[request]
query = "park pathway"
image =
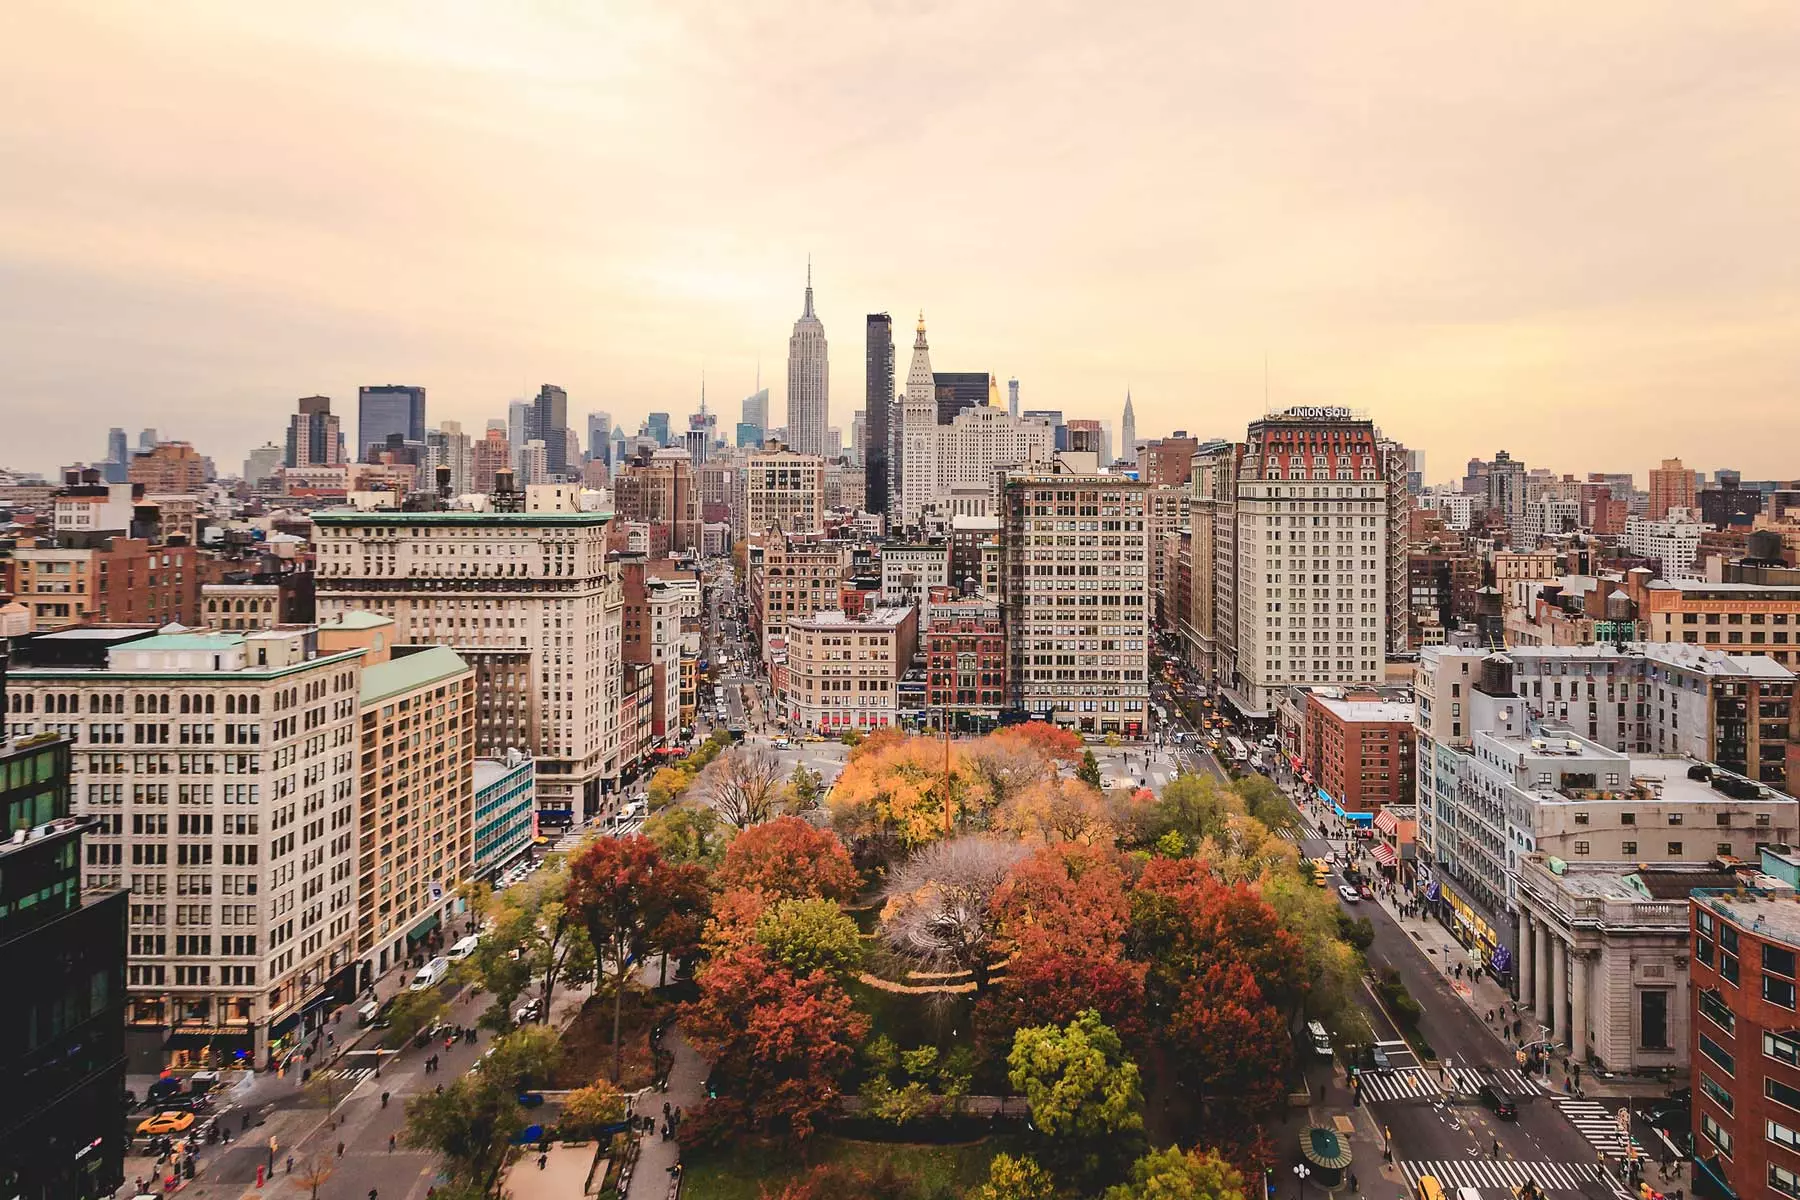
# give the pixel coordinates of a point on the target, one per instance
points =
(654, 1176)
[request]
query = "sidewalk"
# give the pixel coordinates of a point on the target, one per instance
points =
(654, 1176)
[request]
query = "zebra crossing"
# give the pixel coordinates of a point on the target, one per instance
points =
(1599, 1125)
(345, 1074)
(1504, 1173)
(1427, 1083)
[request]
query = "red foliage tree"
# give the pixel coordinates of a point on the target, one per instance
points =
(1052, 987)
(789, 859)
(777, 1044)
(1048, 739)
(634, 904)
(1066, 897)
(1230, 1043)
(1184, 921)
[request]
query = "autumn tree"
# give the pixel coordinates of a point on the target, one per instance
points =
(901, 790)
(689, 833)
(1230, 1044)
(469, 1124)
(589, 1109)
(1053, 987)
(939, 909)
(631, 902)
(1053, 741)
(1264, 801)
(804, 788)
(841, 1181)
(1184, 920)
(1009, 764)
(1076, 1078)
(811, 935)
(744, 786)
(1018, 1178)
(1194, 806)
(666, 787)
(532, 936)
(1174, 1174)
(788, 858)
(1058, 810)
(778, 1044)
(1066, 896)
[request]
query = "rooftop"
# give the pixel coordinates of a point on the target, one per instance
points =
(409, 672)
(1773, 916)
(832, 618)
(349, 516)
(1368, 711)
(491, 770)
(1631, 882)
(1702, 585)
(193, 643)
(356, 620)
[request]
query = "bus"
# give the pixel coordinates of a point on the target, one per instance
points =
(1239, 751)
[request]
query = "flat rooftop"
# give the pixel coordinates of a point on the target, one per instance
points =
(1774, 916)
(878, 617)
(1628, 883)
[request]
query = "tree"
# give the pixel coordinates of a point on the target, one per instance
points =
(1192, 805)
(1184, 920)
(778, 1043)
(1076, 1078)
(626, 897)
(1089, 770)
(589, 1109)
(1053, 987)
(940, 906)
(522, 1059)
(804, 788)
(744, 785)
(1264, 801)
(666, 787)
(811, 935)
(1012, 1178)
(688, 833)
(1174, 1174)
(1047, 738)
(533, 936)
(1229, 1042)
(1010, 763)
(315, 1172)
(898, 790)
(1058, 810)
(1066, 896)
(839, 1181)
(788, 858)
(410, 1011)
(470, 1124)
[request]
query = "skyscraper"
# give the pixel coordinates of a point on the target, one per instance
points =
(918, 430)
(550, 425)
(756, 408)
(957, 390)
(599, 437)
(877, 402)
(656, 425)
(1012, 397)
(118, 456)
(313, 437)
(809, 380)
(1128, 447)
(1671, 486)
(384, 411)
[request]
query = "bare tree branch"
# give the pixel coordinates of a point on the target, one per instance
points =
(940, 905)
(744, 786)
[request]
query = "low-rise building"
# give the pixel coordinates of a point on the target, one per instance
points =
(965, 657)
(843, 673)
(505, 810)
(1358, 745)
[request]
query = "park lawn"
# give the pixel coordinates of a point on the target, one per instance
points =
(938, 1171)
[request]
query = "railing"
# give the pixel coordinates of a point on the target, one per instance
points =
(1598, 911)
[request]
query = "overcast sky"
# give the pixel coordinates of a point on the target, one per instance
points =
(1566, 230)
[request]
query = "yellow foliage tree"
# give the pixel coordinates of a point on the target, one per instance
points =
(1059, 809)
(898, 788)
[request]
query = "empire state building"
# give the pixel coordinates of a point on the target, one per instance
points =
(808, 381)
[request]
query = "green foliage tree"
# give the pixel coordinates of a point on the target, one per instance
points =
(1018, 1178)
(1264, 801)
(1174, 1174)
(804, 789)
(533, 935)
(470, 1125)
(1076, 1079)
(689, 833)
(811, 935)
(522, 1059)
(412, 1011)
(1089, 770)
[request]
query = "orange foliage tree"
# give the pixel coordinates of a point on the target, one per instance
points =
(898, 790)
(1048, 739)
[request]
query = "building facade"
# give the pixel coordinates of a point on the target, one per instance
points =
(808, 381)
(785, 491)
(965, 657)
(843, 672)
(387, 411)
(505, 811)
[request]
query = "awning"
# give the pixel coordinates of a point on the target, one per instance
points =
(1322, 1147)
(419, 932)
(1382, 853)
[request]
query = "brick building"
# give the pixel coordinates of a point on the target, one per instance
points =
(168, 467)
(965, 655)
(1359, 746)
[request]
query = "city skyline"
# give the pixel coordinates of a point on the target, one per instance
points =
(199, 260)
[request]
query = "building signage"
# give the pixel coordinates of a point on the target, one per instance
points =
(1317, 412)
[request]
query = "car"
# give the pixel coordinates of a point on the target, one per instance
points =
(165, 1123)
(1505, 1106)
(1378, 1060)
(1350, 894)
(528, 1012)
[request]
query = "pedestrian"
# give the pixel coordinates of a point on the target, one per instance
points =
(1496, 1148)
(391, 1140)
(384, 1099)
(1353, 1181)
(340, 1149)
(290, 1164)
(543, 1161)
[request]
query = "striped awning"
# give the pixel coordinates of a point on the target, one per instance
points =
(1382, 853)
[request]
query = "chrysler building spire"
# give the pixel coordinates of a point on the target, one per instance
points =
(1129, 432)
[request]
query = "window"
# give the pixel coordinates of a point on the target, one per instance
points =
(1781, 1049)
(1781, 1093)
(1675, 818)
(1721, 1137)
(1781, 1135)
(1653, 1019)
(1628, 818)
(1783, 1180)
(1778, 960)
(1628, 848)
(1674, 849)
(1712, 1007)
(1717, 1094)
(1581, 818)
(1723, 849)
(1581, 847)
(1778, 991)
(1720, 1055)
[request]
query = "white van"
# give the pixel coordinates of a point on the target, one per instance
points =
(430, 974)
(463, 948)
(1321, 1041)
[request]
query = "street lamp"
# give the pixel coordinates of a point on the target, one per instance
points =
(1303, 1171)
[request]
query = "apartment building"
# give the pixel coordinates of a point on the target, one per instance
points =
(658, 490)
(416, 792)
(168, 467)
(221, 770)
(792, 577)
(1737, 618)
(965, 656)
(910, 572)
(1358, 744)
(651, 630)
(1075, 585)
(1165, 513)
(527, 598)
(784, 490)
(1212, 520)
(844, 672)
(1313, 561)
(119, 580)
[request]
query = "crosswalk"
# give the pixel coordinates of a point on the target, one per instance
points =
(350, 1075)
(1598, 1124)
(1427, 1083)
(1503, 1173)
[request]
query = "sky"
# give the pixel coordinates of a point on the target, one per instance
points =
(1565, 230)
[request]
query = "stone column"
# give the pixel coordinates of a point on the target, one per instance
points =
(1578, 1015)
(1526, 959)
(1559, 991)
(1540, 1004)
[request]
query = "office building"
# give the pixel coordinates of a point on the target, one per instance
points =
(599, 438)
(385, 412)
(62, 1121)
(792, 576)
(756, 409)
(1738, 618)
(118, 580)
(168, 467)
(1358, 744)
(749, 437)
(859, 439)
(1312, 530)
(1672, 486)
(656, 600)
(958, 390)
(1673, 540)
(489, 457)
(1076, 589)
(524, 597)
(659, 492)
(784, 490)
(550, 425)
(1212, 519)
(912, 572)
(222, 769)
(262, 467)
(118, 455)
(314, 436)
(843, 673)
(1168, 462)
(965, 658)
(521, 420)
(505, 811)
(656, 427)
(1012, 397)
(449, 447)
(808, 381)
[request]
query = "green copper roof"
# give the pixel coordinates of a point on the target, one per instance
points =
(412, 671)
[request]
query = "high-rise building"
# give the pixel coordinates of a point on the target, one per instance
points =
(918, 431)
(1671, 486)
(1075, 584)
(599, 437)
(146, 439)
(550, 425)
(808, 381)
(386, 410)
(878, 402)
(658, 491)
(1312, 550)
(118, 455)
(1012, 397)
(958, 390)
(749, 436)
(168, 467)
(519, 424)
(1128, 433)
(756, 408)
(656, 426)
(62, 1129)
(1212, 517)
(314, 437)
(526, 598)
(491, 455)
(859, 438)
(448, 446)
(785, 491)
(232, 821)
(263, 465)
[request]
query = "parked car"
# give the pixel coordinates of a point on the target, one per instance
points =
(1505, 1106)
(528, 1012)
(1349, 893)
(165, 1123)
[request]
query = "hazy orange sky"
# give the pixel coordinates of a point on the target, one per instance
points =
(1568, 230)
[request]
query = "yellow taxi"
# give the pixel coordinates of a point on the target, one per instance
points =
(165, 1122)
